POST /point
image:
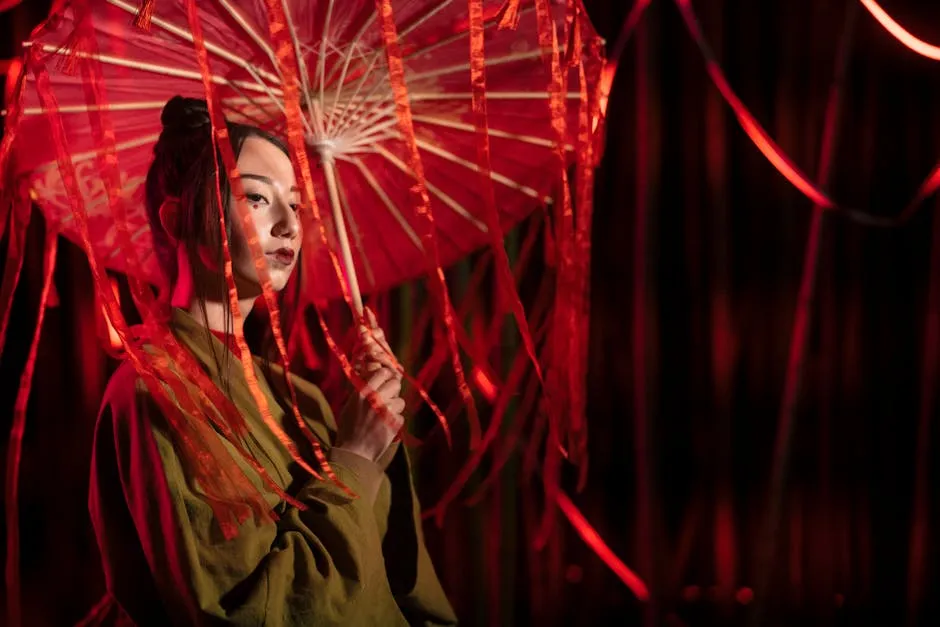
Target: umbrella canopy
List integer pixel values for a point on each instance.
(349, 118)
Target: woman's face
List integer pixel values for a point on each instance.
(273, 200)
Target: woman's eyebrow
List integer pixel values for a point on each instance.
(265, 179)
(258, 177)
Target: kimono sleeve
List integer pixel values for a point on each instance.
(323, 565)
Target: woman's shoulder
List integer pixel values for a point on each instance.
(124, 389)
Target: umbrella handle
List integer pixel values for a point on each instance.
(329, 170)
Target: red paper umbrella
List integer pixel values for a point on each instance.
(352, 127)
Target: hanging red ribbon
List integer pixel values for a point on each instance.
(422, 203)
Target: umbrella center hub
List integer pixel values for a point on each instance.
(326, 148)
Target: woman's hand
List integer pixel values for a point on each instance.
(364, 431)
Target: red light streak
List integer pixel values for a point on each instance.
(900, 33)
(597, 544)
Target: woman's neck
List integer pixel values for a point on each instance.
(217, 315)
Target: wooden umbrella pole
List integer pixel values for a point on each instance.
(329, 170)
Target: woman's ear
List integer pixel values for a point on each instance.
(170, 218)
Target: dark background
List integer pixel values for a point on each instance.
(720, 257)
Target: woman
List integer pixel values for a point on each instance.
(322, 557)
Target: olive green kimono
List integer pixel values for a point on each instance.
(341, 561)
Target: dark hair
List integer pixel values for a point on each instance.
(184, 166)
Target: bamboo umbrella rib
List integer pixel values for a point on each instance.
(142, 105)
(182, 33)
(253, 106)
(366, 122)
(342, 79)
(354, 43)
(443, 197)
(496, 176)
(392, 209)
(408, 29)
(91, 154)
(147, 67)
(490, 62)
(462, 126)
(302, 67)
(457, 37)
(253, 34)
(346, 115)
(490, 95)
(321, 69)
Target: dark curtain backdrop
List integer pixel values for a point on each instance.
(702, 241)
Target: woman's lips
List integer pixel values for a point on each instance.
(284, 256)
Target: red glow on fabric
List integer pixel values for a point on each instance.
(725, 557)
(744, 596)
(114, 340)
(900, 33)
(484, 384)
(692, 593)
(597, 544)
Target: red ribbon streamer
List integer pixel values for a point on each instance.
(504, 274)
(422, 202)
(593, 539)
(777, 157)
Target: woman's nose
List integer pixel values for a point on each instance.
(287, 223)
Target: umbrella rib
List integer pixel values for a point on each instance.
(444, 198)
(411, 27)
(365, 121)
(345, 121)
(342, 80)
(458, 36)
(273, 98)
(368, 141)
(461, 126)
(153, 68)
(490, 62)
(353, 43)
(374, 184)
(184, 34)
(321, 70)
(496, 176)
(490, 95)
(240, 20)
(140, 105)
(302, 69)
(90, 154)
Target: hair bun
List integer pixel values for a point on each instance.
(185, 114)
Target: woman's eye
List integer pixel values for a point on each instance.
(255, 198)
(296, 207)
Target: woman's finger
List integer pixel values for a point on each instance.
(390, 388)
(377, 380)
(396, 405)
